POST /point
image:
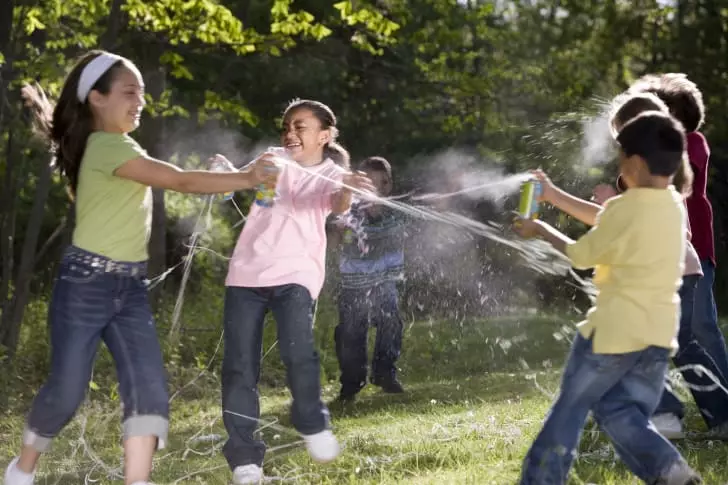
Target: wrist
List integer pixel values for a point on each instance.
(247, 179)
(552, 195)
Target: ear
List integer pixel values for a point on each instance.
(95, 98)
(325, 137)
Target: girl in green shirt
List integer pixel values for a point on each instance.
(100, 292)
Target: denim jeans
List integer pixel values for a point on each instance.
(621, 391)
(705, 319)
(358, 309)
(94, 300)
(245, 310)
(713, 405)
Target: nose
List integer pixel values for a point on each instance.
(142, 101)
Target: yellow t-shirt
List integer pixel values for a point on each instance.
(637, 249)
(113, 215)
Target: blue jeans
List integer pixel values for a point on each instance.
(621, 390)
(705, 319)
(245, 310)
(358, 309)
(95, 299)
(713, 405)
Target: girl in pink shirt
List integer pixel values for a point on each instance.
(278, 266)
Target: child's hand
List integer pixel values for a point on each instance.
(263, 171)
(547, 186)
(359, 181)
(602, 192)
(526, 228)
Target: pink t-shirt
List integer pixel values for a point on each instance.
(286, 244)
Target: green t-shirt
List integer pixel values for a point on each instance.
(113, 215)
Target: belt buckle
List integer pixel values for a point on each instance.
(110, 266)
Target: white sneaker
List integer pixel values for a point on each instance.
(15, 476)
(247, 474)
(323, 447)
(669, 426)
(680, 473)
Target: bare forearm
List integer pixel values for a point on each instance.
(576, 207)
(163, 175)
(554, 237)
(202, 182)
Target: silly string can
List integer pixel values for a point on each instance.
(266, 194)
(528, 205)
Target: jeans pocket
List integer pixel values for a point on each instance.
(606, 362)
(79, 273)
(654, 362)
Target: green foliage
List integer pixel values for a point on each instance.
(513, 82)
(185, 21)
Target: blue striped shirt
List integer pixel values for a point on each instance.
(372, 249)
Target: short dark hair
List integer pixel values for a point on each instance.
(657, 138)
(680, 94)
(628, 105)
(376, 164)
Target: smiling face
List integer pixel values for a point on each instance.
(121, 108)
(303, 136)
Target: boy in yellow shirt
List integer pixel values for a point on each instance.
(619, 357)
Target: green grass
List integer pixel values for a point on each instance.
(477, 394)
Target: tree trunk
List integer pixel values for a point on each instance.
(27, 259)
(7, 233)
(6, 70)
(113, 26)
(154, 137)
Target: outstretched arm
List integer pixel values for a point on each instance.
(576, 207)
(162, 175)
(341, 199)
(529, 228)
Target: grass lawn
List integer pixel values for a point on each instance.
(477, 394)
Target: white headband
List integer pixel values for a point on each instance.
(93, 72)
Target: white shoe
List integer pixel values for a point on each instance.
(247, 474)
(669, 426)
(323, 447)
(680, 473)
(15, 476)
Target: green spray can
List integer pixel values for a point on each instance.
(528, 205)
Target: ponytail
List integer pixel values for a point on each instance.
(41, 111)
(338, 154)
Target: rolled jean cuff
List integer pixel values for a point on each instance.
(39, 443)
(147, 425)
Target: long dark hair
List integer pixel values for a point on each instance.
(326, 117)
(67, 126)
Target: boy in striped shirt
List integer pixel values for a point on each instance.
(370, 265)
